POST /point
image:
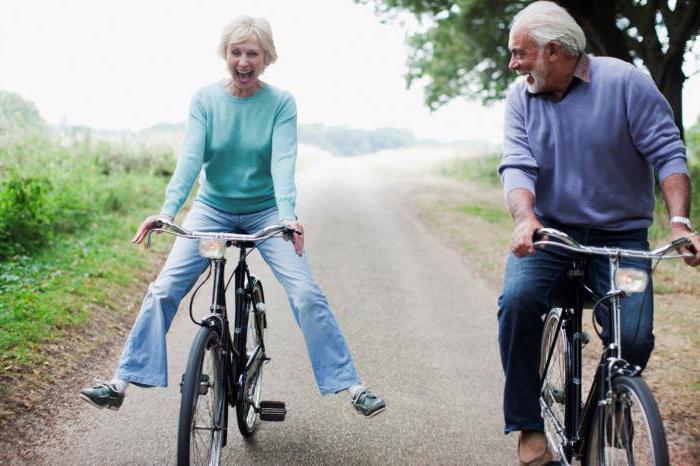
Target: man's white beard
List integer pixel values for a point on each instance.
(538, 75)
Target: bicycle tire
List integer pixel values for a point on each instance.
(553, 387)
(203, 402)
(633, 432)
(246, 414)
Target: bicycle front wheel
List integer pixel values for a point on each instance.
(252, 360)
(555, 348)
(203, 406)
(630, 431)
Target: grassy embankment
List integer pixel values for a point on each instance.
(68, 274)
(469, 210)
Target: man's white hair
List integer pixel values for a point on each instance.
(546, 22)
(241, 28)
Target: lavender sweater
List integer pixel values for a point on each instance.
(590, 158)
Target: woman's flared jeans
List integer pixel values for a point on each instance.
(144, 359)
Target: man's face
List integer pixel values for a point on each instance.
(528, 59)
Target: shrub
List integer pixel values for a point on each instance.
(23, 214)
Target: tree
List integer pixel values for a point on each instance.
(18, 113)
(463, 50)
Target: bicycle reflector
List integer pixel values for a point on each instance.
(632, 280)
(212, 248)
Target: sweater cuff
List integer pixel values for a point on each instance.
(513, 178)
(673, 166)
(169, 209)
(285, 211)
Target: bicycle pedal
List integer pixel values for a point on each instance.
(272, 411)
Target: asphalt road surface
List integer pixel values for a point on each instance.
(421, 327)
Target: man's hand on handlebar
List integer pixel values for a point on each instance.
(681, 231)
(522, 238)
(153, 221)
(297, 236)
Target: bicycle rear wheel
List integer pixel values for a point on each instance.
(252, 360)
(203, 404)
(632, 431)
(553, 388)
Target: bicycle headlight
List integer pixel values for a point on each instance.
(212, 248)
(632, 280)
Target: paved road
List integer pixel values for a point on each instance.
(422, 330)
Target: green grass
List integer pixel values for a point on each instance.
(481, 169)
(484, 212)
(45, 295)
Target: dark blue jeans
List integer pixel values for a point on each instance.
(526, 296)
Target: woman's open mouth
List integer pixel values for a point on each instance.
(244, 77)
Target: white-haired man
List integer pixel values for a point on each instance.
(583, 137)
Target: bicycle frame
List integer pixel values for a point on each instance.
(233, 375)
(578, 417)
(234, 360)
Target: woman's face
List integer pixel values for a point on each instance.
(245, 61)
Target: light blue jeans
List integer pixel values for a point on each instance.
(144, 359)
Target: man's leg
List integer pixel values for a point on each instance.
(637, 309)
(527, 288)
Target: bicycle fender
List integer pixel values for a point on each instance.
(253, 282)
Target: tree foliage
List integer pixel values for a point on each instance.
(462, 49)
(16, 113)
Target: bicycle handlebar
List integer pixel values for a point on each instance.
(570, 244)
(174, 229)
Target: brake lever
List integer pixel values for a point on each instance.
(159, 227)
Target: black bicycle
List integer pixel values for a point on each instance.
(620, 422)
(224, 368)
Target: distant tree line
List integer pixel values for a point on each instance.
(349, 142)
(334, 139)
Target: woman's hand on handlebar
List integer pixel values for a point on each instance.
(297, 235)
(522, 237)
(149, 224)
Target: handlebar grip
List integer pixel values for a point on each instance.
(681, 242)
(539, 235)
(288, 233)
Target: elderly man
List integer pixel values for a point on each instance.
(583, 137)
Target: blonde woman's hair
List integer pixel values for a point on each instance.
(241, 28)
(546, 22)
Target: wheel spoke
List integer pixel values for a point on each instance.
(202, 400)
(632, 429)
(553, 394)
(245, 409)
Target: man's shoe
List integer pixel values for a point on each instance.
(103, 395)
(533, 449)
(367, 402)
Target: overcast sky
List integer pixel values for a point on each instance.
(131, 64)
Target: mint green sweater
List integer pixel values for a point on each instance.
(245, 149)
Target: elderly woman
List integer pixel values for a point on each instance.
(242, 133)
